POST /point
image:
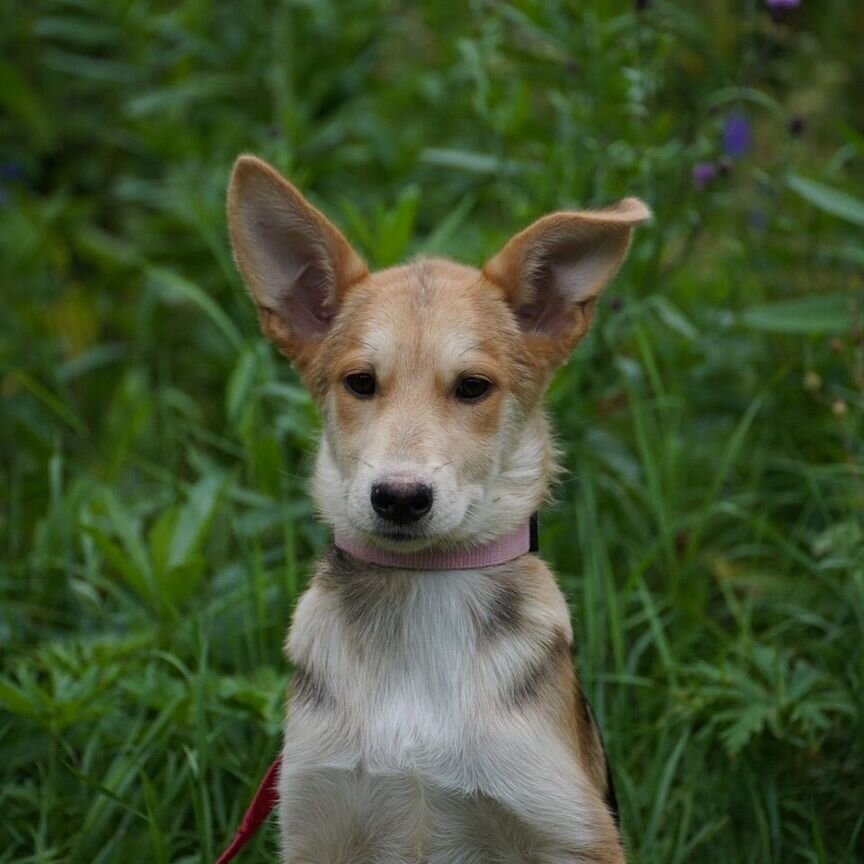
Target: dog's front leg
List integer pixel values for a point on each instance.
(536, 777)
(332, 811)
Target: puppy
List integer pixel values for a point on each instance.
(435, 717)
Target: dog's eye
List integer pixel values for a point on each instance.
(360, 384)
(472, 388)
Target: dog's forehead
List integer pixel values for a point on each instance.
(429, 310)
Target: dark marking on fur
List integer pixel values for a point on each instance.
(503, 615)
(355, 598)
(335, 568)
(534, 528)
(587, 713)
(369, 600)
(307, 689)
(610, 798)
(541, 673)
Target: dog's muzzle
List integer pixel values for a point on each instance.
(401, 502)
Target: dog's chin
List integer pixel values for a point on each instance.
(404, 539)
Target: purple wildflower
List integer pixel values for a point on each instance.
(703, 174)
(779, 9)
(737, 135)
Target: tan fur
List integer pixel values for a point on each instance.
(435, 717)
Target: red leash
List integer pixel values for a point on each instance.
(261, 807)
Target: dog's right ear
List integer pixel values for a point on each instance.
(553, 272)
(295, 262)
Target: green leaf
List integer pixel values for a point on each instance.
(744, 721)
(819, 313)
(241, 383)
(736, 94)
(852, 254)
(26, 104)
(181, 582)
(136, 580)
(14, 700)
(395, 228)
(194, 519)
(171, 283)
(438, 241)
(47, 398)
(159, 541)
(828, 199)
(674, 318)
(469, 160)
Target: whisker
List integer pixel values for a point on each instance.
(477, 344)
(358, 459)
(363, 342)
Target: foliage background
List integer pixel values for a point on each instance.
(154, 521)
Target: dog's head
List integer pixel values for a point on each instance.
(429, 376)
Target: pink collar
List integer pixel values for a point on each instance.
(499, 551)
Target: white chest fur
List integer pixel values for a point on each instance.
(407, 738)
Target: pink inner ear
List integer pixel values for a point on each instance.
(566, 277)
(294, 272)
(303, 303)
(555, 294)
(550, 314)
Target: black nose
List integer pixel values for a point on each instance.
(401, 503)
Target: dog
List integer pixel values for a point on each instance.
(434, 716)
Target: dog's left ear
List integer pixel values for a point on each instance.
(553, 272)
(295, 262)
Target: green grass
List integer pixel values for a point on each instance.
(155, 526)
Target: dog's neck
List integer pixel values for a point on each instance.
(499, 551)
